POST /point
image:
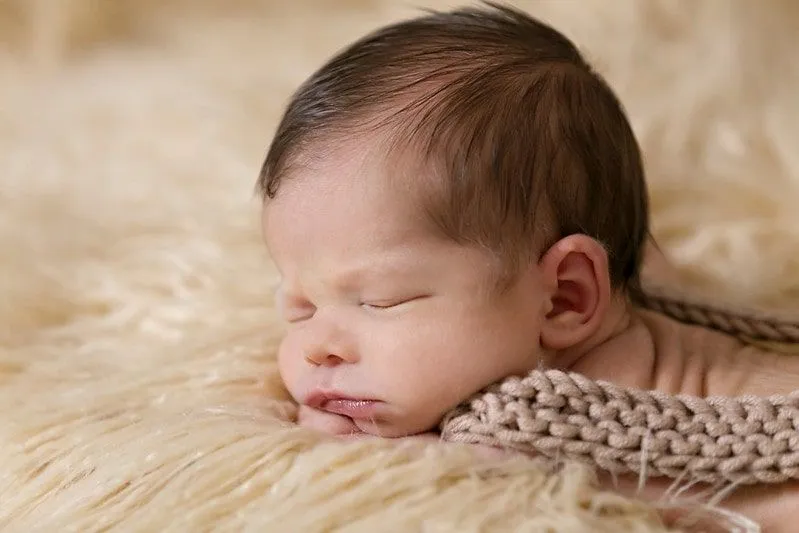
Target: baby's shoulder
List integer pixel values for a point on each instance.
(690, 337)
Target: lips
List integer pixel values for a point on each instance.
(355, 408)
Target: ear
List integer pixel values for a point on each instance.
(575, 272)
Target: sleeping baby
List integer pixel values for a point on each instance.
(459, 198)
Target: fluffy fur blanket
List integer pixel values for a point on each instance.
(138, 389)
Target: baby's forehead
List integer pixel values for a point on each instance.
(363, 161)
(355, 173)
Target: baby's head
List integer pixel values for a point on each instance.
(450, 200)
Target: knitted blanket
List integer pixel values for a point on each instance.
(623, 430)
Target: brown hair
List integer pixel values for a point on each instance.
(507, 111)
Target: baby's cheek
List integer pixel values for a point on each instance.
(289, 365)
(418, 366)
(428, 398)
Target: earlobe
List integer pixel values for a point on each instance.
(576, 271)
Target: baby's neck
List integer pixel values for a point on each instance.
(647, 350)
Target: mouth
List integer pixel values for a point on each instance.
(339, 404)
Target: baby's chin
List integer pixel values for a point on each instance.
(386, 430)
(399, 424)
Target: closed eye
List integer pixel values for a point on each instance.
(294, 310)
(389, 304)
(294, 315)
(297, 318)
(380, 305)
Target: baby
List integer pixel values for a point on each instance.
(458, 198)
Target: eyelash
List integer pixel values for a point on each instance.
(307, 313)
(389, 305)
(377, 306)
(296, 320)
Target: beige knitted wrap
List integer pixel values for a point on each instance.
(743, 440)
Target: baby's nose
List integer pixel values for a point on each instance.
(327, 344)
(327, 355)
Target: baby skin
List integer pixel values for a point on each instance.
(389, 326)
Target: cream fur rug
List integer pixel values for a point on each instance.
(137, 379)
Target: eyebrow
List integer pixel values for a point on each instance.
(361, 273)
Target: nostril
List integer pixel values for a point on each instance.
(324, 359)
(332, 360)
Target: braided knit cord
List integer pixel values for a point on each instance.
(747, 324)
(745, 440)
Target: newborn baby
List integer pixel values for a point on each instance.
(449, 201)
(458, 198)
